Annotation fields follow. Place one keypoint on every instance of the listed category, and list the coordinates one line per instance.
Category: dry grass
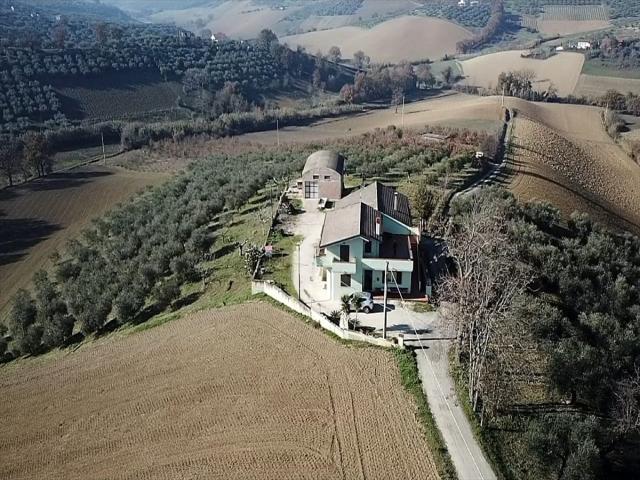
(37, 219)
(456, 110)
(403, 38)
(247, 392)
(236, 18)
(596, 85)
(563, 155)
(562, 70)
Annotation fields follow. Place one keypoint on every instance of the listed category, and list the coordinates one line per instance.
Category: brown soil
(563, 155)
(562, 70)
(247, 392)
(36, 219)
(410, 38)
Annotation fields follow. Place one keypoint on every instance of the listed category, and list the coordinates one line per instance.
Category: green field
(596, 66)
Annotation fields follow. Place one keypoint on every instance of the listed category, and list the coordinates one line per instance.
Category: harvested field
(562, 70)
(562, 154)
(36, 219)
(596, 85)
(247, 392)
(404, 38)
(570, 19)
(236, 18)
(456, 110)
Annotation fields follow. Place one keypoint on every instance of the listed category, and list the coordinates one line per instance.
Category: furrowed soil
(37, 218)
(247, 392)
(563, 155)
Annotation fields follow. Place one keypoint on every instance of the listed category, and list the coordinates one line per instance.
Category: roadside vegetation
(548, 347)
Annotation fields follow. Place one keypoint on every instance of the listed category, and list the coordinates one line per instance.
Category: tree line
(134, 260)
(491, 29)
(28, 157)
(533, 301)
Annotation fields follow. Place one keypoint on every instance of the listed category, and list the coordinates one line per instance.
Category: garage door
(310, 189)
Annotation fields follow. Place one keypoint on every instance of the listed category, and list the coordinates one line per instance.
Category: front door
(368, 280)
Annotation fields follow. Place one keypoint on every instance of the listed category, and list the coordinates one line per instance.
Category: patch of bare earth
(562, 70)
(563, 155)
(247, 392)
(403, 38)
(37, 218)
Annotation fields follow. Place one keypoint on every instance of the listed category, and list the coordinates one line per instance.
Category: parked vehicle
(367, 302)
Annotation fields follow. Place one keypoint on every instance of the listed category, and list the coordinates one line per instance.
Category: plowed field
(247, 392)
(563, 155)
(37, 218)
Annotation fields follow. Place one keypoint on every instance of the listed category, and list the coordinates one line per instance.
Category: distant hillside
(84, 8)
(54, 69)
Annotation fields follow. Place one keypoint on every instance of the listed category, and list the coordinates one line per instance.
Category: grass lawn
(595, 66)
(278, 267)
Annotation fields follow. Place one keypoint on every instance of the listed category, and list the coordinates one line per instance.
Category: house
(462, 3)
(367, 232)
(584, 45)
(323, 176)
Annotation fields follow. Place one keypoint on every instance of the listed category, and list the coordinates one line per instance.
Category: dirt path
(246, 392)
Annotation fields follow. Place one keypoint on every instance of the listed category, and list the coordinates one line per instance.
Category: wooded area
(538, 305)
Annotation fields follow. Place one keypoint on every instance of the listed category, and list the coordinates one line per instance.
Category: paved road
(468, 458)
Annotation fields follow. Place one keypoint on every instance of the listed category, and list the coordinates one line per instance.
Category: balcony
(379, 264)
(343, 267)
(335, 265)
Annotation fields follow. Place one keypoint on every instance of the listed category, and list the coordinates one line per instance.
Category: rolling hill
(562, 154)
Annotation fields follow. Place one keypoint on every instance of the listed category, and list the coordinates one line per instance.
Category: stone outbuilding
(323, 176)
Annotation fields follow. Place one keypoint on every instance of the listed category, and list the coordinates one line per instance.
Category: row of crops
(38, 50)
(615, 8)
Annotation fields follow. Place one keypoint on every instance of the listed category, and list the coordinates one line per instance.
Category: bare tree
(480, 293)
(335, 55)
(626, 410)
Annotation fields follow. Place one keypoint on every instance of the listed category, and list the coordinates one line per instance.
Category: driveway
(308, 225)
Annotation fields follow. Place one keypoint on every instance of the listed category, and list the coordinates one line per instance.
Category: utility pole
(403, 112)
(384, 305)
(503, 91)
(104, 155)
(298, 272)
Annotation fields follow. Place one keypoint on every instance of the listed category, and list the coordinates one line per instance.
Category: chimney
(395, 200)
(378, 225)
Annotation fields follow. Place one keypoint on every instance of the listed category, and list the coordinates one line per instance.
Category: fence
(280, 296)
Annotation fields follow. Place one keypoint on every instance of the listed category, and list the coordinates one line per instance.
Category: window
(367, 247)
(310, 189)
(344, 253)
(394, 275)
(316, 177)
(327, 177)
(345, 280)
